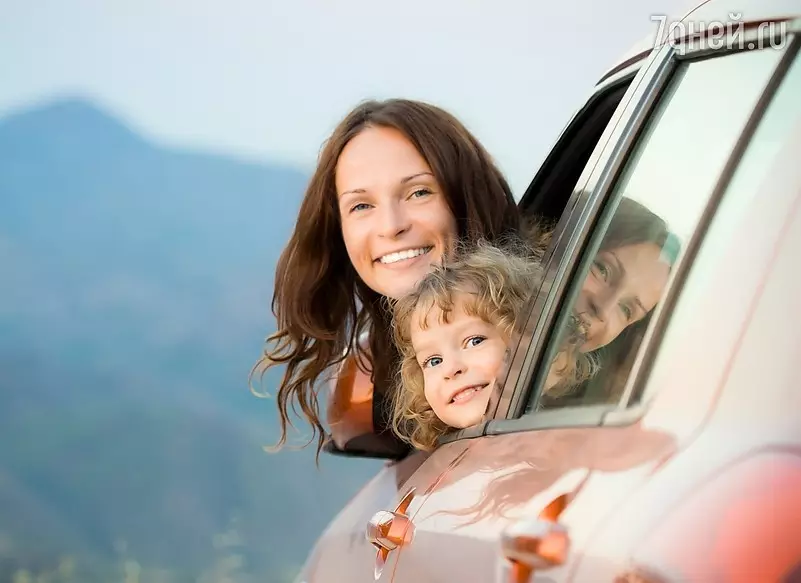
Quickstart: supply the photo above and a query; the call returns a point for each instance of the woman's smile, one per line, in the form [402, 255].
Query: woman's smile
[402, 257]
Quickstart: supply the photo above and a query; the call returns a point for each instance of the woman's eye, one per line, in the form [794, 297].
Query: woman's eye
[601, 268]
[627, 312]
[432, 361]
[475, 340]
[359, 207]
[421, 192]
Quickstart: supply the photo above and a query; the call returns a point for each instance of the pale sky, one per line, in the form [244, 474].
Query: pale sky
[268, 80]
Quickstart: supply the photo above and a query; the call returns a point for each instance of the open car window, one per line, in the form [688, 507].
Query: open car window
[550, 192]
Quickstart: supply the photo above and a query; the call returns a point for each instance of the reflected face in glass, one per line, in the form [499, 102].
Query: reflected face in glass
[460, 359]
[395, 218]
[623, 285]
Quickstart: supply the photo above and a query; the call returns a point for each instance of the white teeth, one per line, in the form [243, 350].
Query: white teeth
[401, 255]
[463, 395]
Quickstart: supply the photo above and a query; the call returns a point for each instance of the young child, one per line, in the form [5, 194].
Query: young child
[453, 333]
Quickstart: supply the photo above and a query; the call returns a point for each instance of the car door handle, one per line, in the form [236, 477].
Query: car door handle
[536, 545]
[387, 530]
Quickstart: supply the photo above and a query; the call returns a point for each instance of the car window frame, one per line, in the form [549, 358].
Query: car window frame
[631, 73]
[598, 190]
[627, 410]
[577, 225]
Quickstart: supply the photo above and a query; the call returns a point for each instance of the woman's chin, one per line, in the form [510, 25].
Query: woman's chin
[397, 281]
[589, 346]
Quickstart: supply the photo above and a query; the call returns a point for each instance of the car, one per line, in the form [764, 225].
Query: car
[683, 461]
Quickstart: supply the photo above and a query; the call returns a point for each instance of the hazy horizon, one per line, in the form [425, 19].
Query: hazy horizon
[267, 82]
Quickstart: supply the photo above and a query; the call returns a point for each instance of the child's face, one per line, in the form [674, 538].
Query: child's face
[460, 360]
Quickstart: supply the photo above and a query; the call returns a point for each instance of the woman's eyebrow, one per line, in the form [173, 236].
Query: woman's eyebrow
[353, 191]
[402, 181]
[413, 176]
[619, 268]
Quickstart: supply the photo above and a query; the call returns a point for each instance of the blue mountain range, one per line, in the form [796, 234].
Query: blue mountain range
[135, 287]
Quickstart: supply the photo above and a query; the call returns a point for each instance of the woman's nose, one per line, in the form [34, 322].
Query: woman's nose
[602, 305]
[600, 313]
[598, 309]
[605, 323]
[393, 221]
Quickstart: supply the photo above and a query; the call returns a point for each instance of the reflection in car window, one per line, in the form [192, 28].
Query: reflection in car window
[780, 120]
[653, 210]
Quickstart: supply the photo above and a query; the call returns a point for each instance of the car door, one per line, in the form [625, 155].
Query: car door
[726, 508]
[545, 458]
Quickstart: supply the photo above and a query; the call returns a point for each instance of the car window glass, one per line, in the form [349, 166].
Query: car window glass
[652, 211]
[781, 118]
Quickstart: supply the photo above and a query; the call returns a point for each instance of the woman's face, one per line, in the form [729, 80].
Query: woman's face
[395, 219]
[623, 285]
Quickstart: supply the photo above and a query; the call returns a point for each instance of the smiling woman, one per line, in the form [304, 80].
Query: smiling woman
[397, 184]
[396, 221]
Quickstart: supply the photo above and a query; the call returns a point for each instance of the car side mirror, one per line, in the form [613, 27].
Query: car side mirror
[350, 418]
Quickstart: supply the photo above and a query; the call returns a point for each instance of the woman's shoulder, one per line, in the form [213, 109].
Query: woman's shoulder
[350, 399]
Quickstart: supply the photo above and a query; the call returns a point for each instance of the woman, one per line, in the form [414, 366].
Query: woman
[396, 185]
[613, 307]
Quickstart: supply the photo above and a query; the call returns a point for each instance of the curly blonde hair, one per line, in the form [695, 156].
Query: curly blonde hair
[497, 281]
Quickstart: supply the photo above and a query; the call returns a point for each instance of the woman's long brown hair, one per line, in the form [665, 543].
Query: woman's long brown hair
[320, 305]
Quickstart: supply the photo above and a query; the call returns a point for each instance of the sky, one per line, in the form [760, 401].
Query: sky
[268, 81]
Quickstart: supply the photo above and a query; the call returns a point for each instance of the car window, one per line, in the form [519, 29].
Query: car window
[651, 212]
[744, 191]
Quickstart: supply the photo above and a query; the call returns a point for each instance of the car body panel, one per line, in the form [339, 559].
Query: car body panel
[508, 477]
[344, 542]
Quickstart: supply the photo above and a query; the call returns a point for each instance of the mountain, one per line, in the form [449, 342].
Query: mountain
[136, 282]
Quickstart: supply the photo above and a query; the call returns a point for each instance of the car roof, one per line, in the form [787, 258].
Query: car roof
[707, 12]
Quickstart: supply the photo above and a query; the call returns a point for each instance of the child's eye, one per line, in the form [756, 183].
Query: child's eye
[432, 361]
[475, 340]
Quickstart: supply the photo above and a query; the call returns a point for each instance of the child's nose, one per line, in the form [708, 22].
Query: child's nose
[456, 367]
